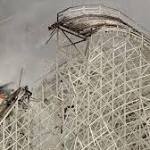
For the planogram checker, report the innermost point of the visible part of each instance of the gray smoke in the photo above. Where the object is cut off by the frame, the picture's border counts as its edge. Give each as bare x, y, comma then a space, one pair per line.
23, 31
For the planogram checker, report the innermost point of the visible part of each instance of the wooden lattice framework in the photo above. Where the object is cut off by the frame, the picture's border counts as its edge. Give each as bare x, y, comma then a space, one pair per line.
97, 97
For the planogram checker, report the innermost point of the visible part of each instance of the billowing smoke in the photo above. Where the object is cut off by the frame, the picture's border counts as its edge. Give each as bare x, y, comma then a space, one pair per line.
23, 31
22, 38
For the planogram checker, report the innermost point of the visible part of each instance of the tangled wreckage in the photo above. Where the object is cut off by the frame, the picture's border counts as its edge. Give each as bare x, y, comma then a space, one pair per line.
21, 96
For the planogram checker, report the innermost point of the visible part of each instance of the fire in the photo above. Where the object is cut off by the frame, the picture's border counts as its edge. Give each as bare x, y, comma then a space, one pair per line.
2, 97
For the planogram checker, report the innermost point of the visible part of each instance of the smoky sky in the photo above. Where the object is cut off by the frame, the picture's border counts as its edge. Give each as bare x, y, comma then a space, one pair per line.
23, 31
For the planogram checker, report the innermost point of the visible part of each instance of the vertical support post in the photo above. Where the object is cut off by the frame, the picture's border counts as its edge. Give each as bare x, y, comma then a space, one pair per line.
16, 120
113, 79
125, 101
40, 123
29, 132
140, 89
88, 90
113, 89
4, 125
57, 80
